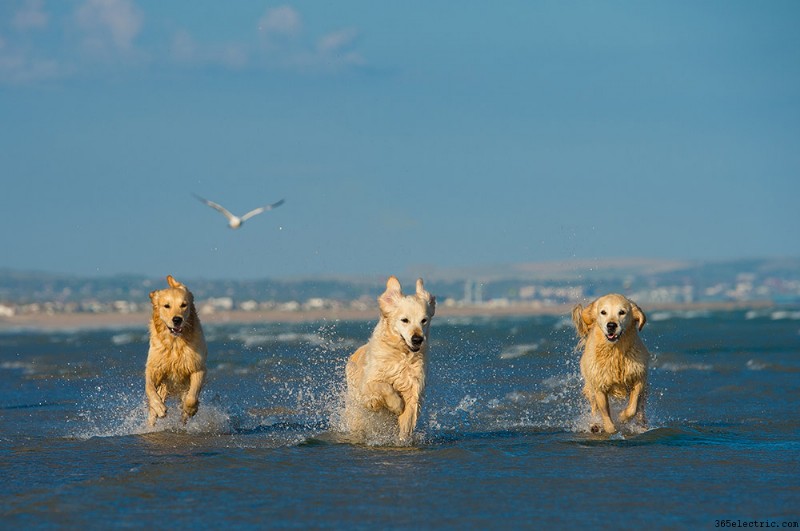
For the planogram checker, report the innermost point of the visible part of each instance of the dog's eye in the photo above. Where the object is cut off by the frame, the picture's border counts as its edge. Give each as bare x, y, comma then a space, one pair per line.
424, 321
404, 320
602, 312
166, 306
183, 305
622, 312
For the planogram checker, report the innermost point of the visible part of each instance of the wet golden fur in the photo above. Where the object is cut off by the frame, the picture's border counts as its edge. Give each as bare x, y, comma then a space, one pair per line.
176, 361
388, 373
614, 361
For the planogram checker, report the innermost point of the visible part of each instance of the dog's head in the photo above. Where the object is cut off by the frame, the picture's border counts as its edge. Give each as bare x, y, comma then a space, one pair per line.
612, 315
409, 316
173, 306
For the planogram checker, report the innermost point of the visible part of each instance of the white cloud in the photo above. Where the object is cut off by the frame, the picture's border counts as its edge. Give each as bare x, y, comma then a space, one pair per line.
102, 33
18, 67
231, 55
283, 20
114, 23
31, 16
337, 41
184, 47
336, 49
286, 45
186, 50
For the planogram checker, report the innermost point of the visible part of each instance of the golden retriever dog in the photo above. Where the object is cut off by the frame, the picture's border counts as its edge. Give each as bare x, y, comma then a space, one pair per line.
388, 373
614, 361
176, 362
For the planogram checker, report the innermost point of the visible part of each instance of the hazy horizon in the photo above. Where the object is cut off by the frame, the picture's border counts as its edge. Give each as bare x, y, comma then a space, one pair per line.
545, 270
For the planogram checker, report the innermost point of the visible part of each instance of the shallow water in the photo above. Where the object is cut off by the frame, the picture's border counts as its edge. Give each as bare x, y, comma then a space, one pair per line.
502, 441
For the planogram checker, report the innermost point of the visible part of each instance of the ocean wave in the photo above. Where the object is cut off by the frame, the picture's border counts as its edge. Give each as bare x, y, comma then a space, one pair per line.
755, 365
26, 367
562, 323
680, 367
785, 315
127, 338
517, 351
684, 314
324, 341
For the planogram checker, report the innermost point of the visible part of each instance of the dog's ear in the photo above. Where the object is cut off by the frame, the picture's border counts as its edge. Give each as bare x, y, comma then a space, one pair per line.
422, 292
173, 283
587, 315
577, 319
429, 299
583, 318
638, 315
153, 296
388, 300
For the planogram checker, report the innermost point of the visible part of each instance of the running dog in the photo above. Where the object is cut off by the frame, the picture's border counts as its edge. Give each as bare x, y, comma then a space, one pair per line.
388, 373
614, 360
176, 362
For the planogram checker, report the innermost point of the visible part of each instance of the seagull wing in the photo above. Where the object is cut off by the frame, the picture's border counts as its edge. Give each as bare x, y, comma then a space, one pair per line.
259, 210
215, 206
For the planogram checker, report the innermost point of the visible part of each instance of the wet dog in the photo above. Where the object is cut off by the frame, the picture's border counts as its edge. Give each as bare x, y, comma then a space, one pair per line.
176, 362
614, 361
388, 373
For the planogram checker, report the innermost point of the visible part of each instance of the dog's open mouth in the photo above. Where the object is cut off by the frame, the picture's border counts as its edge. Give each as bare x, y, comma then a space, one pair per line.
175, 330
612, 337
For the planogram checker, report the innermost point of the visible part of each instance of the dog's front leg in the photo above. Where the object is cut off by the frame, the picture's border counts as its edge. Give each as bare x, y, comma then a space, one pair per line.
380, 394
605, 412
640, 416
156, 406
191, 400
407, 421
633, 403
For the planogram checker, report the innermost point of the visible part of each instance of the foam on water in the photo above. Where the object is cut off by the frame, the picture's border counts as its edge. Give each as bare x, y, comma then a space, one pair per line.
126, 414
127, 338
679, 367
517, 351
785, 315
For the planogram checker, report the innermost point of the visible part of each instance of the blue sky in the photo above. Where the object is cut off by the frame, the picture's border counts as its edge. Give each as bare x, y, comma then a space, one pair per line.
402, 136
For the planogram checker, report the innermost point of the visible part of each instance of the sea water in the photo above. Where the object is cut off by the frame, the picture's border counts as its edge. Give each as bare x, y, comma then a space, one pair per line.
503, 439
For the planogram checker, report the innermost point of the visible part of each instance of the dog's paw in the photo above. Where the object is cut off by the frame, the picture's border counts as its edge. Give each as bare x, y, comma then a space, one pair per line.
405, 440
374, 404
190, 406
396, 405
625, 416
605, 428
189, 410
158, 409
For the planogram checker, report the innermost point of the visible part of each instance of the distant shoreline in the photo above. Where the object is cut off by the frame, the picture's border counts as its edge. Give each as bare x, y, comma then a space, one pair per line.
88, 321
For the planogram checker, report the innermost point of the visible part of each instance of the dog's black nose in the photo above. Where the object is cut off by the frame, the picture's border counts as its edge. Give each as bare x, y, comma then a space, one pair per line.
417, 340
177, 320
611, 326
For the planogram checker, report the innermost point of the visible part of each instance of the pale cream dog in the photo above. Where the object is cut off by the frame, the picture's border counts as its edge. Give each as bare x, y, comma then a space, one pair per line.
388, 373
176, 362
614, 360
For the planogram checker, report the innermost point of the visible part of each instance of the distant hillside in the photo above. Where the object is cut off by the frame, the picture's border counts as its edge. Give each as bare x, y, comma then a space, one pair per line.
753, 279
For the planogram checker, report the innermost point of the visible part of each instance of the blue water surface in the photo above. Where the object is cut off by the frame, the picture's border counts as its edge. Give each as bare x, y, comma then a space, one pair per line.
503, 441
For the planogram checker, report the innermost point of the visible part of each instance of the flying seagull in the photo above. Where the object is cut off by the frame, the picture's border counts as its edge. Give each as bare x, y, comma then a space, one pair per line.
235, 222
